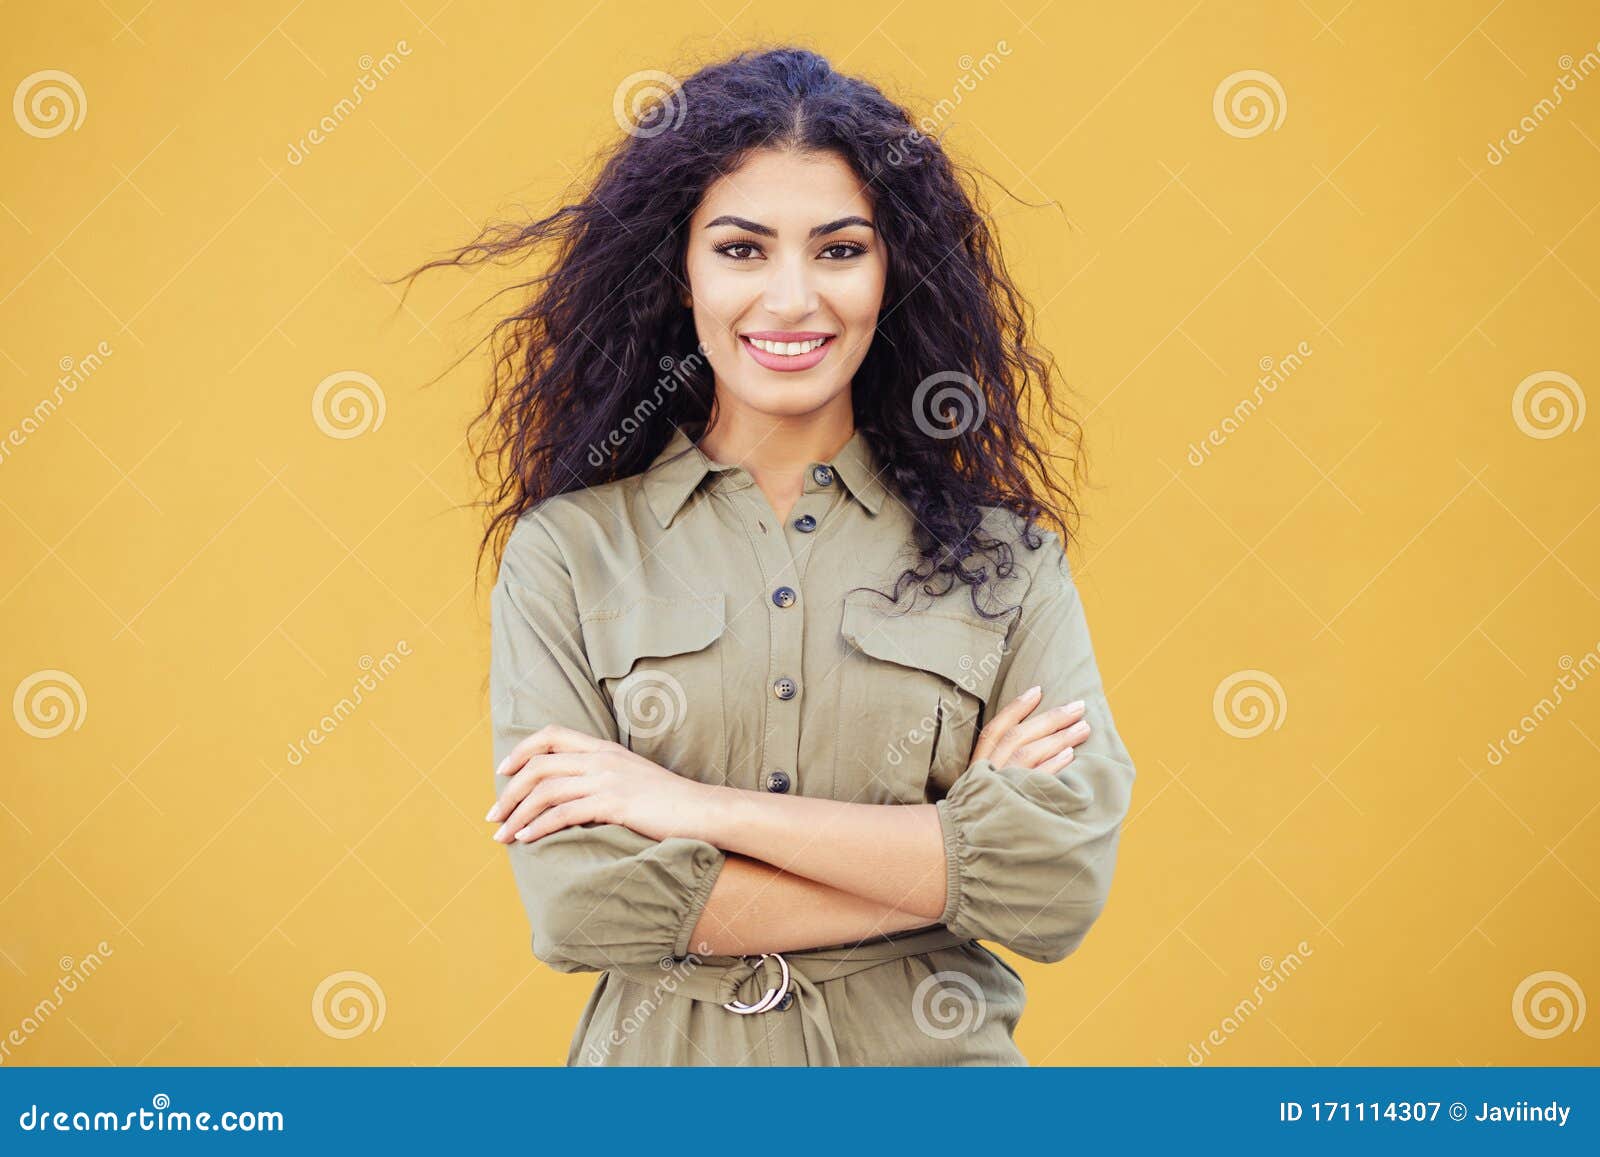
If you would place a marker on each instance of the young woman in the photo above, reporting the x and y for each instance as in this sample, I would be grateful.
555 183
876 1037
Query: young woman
773 804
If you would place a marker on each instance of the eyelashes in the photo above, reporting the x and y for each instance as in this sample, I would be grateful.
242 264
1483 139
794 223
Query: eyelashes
852 249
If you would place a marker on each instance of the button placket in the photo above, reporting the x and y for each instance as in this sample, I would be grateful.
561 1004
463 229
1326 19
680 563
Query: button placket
778 770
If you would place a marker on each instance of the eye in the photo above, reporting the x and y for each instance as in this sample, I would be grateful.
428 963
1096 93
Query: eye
727 249
850 248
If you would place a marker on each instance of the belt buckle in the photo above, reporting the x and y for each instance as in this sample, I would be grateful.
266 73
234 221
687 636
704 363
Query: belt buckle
773 995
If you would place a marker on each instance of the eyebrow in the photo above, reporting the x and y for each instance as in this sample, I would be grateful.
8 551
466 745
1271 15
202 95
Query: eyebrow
768 231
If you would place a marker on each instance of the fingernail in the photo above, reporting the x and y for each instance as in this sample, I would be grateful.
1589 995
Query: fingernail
489 815
1075 704
1031 691
501 770
501 832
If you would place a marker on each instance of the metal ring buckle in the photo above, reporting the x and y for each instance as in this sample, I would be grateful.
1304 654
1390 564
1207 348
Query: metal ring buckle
773 995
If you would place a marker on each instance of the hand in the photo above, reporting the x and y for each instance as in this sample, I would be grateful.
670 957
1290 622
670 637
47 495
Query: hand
1043 743
558 777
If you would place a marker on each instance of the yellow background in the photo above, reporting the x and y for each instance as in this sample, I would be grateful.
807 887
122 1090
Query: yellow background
1381 537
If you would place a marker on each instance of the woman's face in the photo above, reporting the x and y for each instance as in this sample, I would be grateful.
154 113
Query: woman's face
786 276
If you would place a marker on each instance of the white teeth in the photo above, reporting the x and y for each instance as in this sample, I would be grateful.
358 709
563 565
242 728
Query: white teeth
786 349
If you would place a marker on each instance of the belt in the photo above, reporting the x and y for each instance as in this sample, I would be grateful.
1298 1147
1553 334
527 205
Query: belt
758 983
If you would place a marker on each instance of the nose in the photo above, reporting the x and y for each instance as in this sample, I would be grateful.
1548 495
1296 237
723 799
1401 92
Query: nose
789 293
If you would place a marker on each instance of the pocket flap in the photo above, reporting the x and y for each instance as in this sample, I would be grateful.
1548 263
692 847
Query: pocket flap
966 651
650 628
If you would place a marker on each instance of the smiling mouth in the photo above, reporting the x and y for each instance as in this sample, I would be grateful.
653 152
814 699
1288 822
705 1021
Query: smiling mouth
787 349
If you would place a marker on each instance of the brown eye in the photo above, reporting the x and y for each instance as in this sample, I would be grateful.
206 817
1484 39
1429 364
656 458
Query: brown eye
727 249
848 249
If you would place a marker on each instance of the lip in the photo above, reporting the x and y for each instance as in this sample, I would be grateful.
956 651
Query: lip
781 363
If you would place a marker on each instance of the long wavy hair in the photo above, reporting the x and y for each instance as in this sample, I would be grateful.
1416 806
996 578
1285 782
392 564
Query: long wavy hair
603 327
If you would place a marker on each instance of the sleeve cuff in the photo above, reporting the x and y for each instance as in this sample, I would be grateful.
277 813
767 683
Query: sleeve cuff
697 903
954 849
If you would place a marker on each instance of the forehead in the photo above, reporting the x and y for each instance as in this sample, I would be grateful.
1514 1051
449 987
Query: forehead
776 188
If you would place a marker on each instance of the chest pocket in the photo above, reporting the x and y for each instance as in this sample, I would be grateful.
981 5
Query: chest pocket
659 662
912 697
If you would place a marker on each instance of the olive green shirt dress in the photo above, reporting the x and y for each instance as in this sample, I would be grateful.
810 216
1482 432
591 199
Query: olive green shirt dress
673 612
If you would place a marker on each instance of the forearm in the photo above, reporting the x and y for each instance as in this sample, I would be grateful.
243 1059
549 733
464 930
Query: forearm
755 907
890 854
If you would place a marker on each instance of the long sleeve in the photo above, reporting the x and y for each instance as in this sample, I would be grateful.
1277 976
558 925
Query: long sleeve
597 895
1029 855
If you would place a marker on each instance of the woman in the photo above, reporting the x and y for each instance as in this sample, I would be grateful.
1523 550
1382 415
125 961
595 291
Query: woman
736 778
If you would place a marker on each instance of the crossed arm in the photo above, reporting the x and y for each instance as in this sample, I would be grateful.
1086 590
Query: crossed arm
799 871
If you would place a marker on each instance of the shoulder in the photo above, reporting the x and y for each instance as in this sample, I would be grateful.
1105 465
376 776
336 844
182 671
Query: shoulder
1037 571
567 522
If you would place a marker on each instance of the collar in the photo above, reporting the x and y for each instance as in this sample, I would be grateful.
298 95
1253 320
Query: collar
678 470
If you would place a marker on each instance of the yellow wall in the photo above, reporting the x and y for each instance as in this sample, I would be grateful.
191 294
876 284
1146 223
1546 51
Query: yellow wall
1407 557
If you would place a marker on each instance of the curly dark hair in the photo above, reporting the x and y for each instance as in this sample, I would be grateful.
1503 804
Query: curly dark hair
583 357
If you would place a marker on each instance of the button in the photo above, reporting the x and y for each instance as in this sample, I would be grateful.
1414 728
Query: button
823 475
787 1001
778 781
805 523
784 596
784 688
